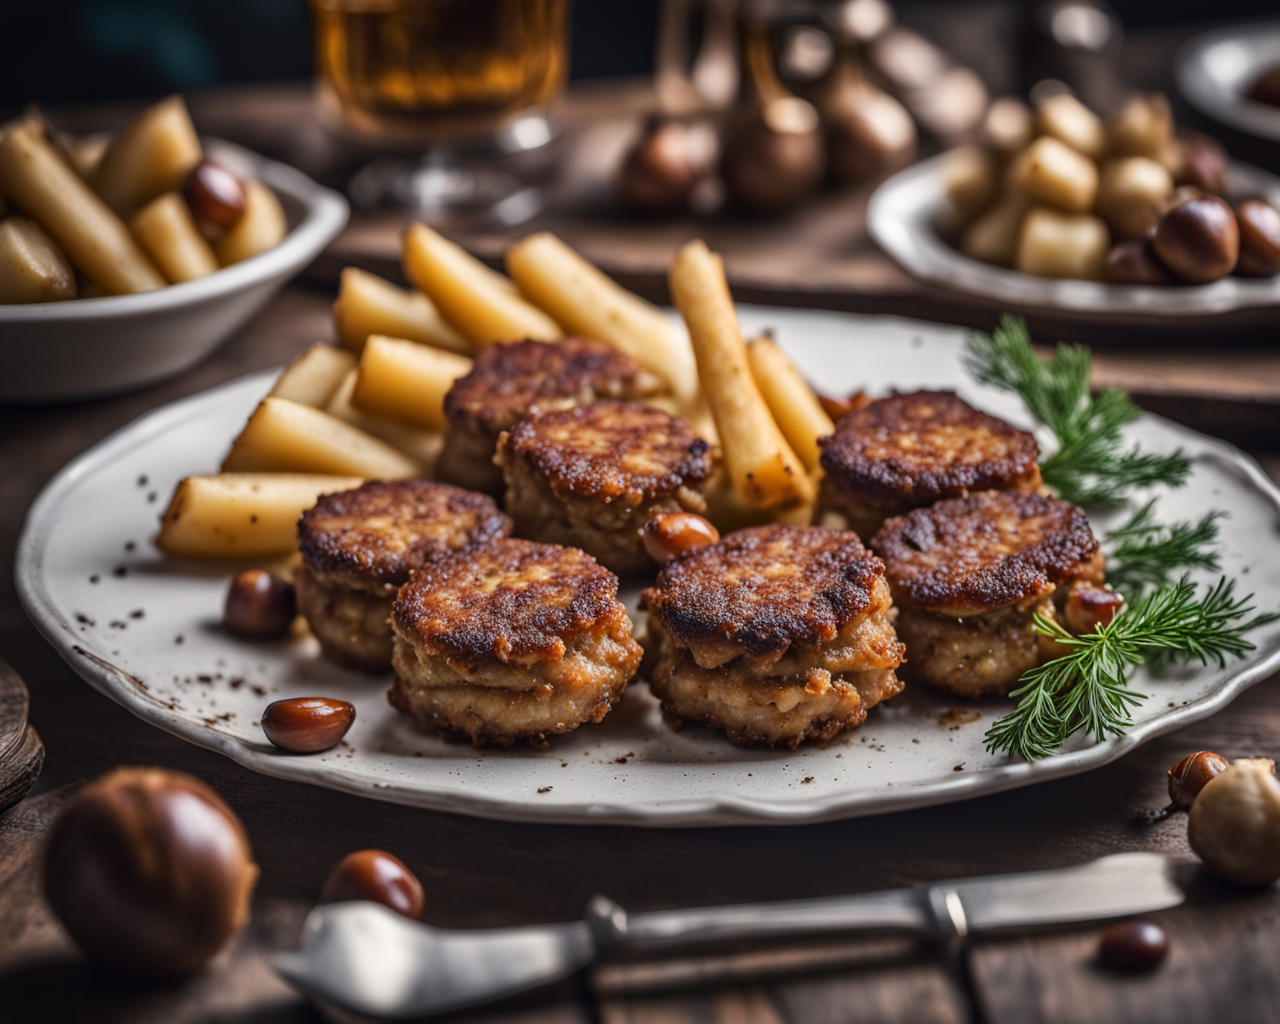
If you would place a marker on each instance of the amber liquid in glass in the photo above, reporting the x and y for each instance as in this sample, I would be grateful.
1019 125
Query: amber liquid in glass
436 69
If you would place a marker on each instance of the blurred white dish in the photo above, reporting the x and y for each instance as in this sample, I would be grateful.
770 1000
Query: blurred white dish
903 218
84 348
147 632
1215 69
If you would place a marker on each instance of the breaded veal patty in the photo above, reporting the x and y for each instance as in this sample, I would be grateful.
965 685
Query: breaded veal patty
511 381
513 640
969 574
775 635
591 476
908 451
358 547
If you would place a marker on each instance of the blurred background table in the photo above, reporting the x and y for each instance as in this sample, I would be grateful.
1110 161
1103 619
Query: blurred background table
1224 941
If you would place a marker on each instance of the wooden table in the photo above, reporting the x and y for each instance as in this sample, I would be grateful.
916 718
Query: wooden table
1225 941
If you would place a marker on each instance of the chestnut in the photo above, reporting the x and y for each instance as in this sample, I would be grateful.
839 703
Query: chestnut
1188 776
1204 164
1198 239
1266 87
1234 824
1090 607
669 534
1259 224
378 876
259 605
868 134
773 156
659 171
149 871
307 725
1133 945
1133 262
216 198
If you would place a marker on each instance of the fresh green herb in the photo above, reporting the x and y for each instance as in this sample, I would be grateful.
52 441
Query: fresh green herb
1144 554
1089 687
1090 464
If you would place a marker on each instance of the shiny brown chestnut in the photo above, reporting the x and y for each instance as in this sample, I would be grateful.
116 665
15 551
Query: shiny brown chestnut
1133 262
215 197
1198 239
659 171
773 156
378 876
1133 945
149 871
1090 607
1188 776
669 534
259 605
307 725
1204 164
1259 239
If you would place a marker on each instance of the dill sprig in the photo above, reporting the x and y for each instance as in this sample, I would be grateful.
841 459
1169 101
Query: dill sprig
1143 554
1090 464
1088 688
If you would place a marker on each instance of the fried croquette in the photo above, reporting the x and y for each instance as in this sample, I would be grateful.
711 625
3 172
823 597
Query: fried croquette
775 635
513 640
358 547
908 451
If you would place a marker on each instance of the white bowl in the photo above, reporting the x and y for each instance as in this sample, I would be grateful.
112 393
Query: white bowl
84 348
903 217
1216 68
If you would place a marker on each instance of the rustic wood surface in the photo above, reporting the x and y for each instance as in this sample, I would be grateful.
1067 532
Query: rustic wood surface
21 752
491 873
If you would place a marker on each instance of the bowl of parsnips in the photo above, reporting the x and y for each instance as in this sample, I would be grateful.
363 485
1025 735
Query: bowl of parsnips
127 261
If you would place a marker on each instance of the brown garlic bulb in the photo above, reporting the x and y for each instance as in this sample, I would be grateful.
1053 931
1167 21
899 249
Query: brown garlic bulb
659 171
1234 825
1188 776
149 871
773 156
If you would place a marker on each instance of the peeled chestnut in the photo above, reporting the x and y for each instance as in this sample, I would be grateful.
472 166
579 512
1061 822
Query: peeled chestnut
1133 262
307 725
375 875
773 157
215 197
1188 776
1204 164
659 171
149 871
669 534
1259 239
1198 239
259 605
1234 824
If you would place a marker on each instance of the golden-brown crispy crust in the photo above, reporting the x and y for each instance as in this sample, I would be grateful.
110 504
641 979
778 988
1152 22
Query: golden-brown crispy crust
610 451
509 381
991 550
511 601
765 588
374 536
909 450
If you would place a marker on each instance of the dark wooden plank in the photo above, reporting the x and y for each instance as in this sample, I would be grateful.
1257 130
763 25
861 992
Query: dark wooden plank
21 752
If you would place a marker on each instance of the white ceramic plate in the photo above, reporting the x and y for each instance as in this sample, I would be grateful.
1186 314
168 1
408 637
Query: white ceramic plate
1215 69
145 631
904 213
54 351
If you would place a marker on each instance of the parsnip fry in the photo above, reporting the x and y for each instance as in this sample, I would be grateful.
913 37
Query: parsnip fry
31 267
419 444
762 466
168 233
262 226
585 301
37 180
474 299
285 437
241 515
149 158
367 304
315 376
402 380
795 407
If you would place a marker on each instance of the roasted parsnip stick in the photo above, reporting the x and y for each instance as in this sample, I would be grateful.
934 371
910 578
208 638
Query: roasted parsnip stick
795 407
367 304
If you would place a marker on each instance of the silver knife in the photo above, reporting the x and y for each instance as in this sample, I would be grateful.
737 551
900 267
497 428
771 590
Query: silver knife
369 961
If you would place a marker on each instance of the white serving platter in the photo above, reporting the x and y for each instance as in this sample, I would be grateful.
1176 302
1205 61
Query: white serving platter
1215 69
145 631
904 213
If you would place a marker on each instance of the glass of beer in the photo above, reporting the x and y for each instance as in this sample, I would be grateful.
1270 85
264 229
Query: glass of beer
468 84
